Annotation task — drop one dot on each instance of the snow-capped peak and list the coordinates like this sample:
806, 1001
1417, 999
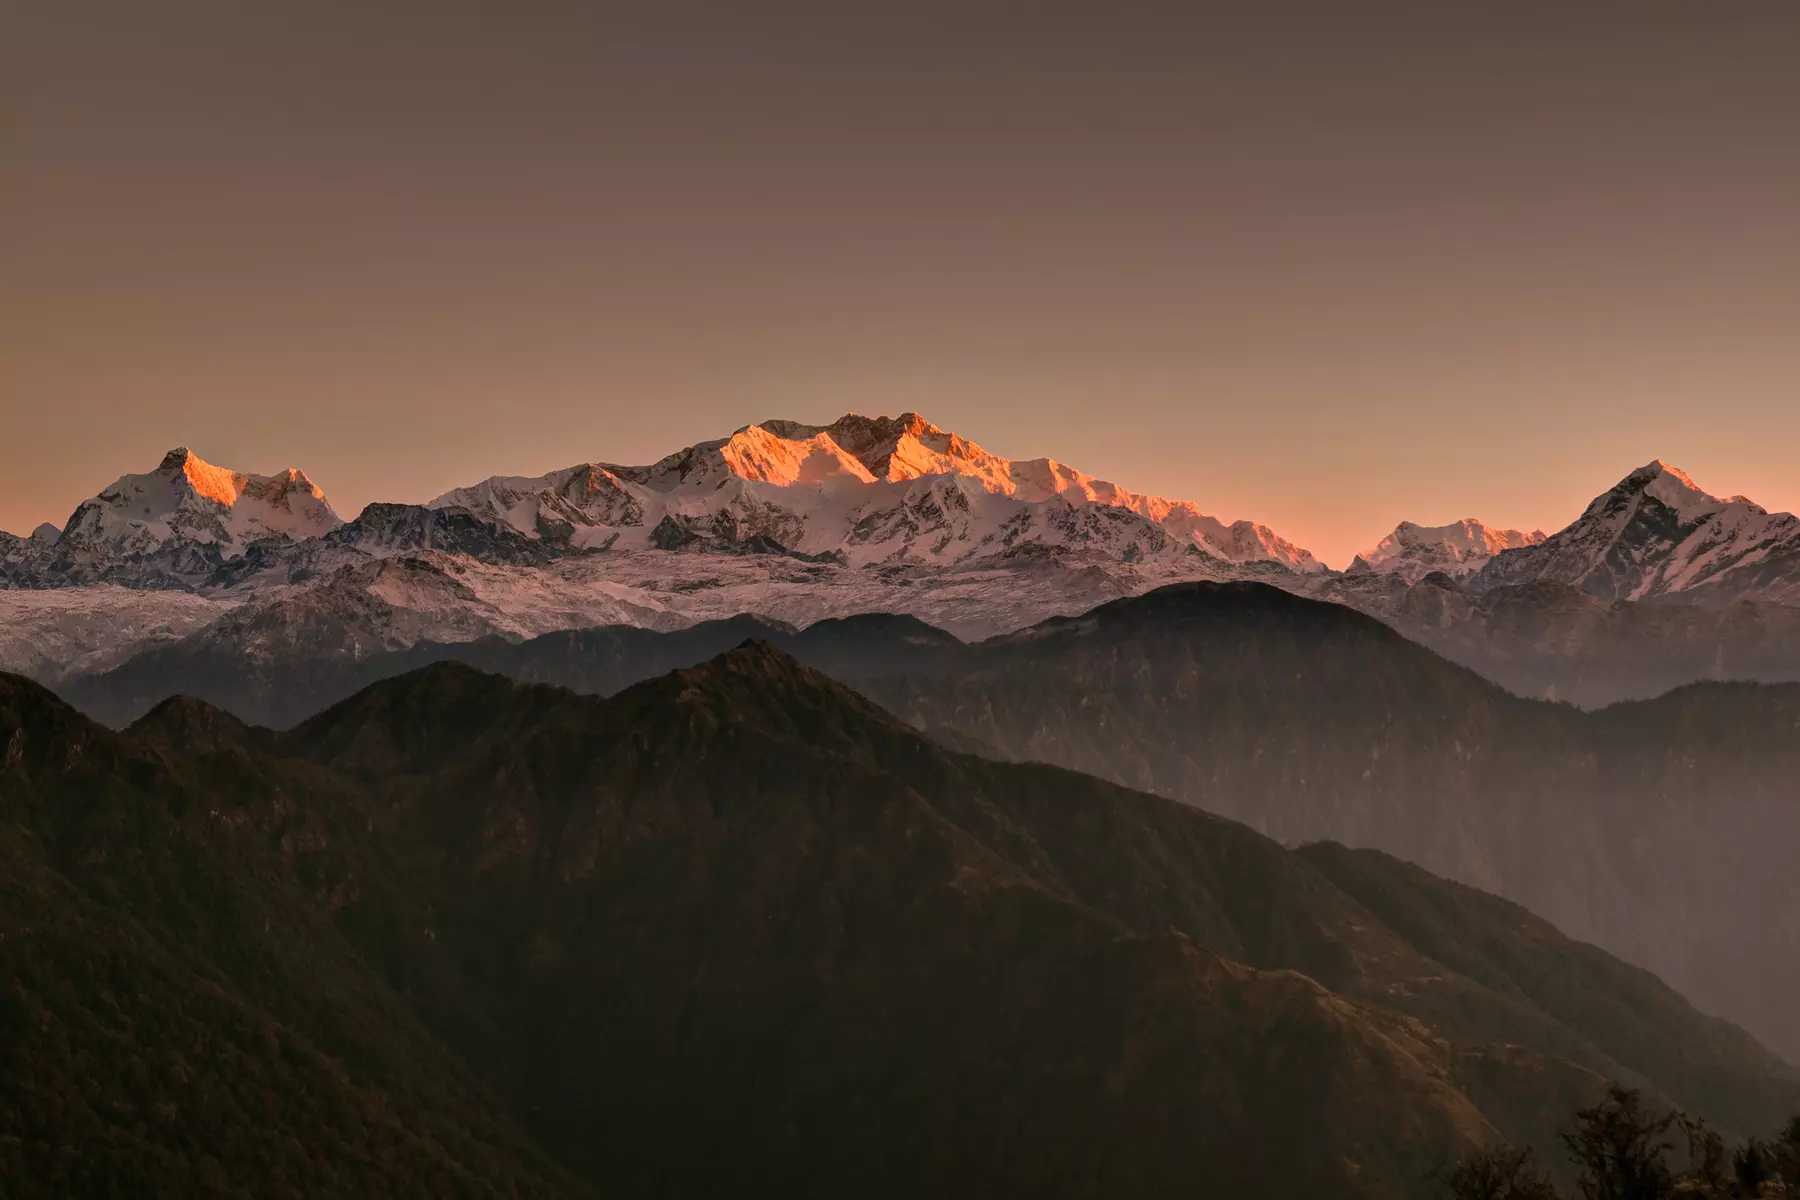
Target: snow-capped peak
868, 489
1657, 532
1458, 548
854, 448
187, 499
1668, 484
46, 533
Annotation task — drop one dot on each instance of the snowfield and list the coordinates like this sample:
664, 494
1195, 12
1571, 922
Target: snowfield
49, 634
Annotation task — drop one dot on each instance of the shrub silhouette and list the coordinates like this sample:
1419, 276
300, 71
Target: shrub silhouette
1623, 1148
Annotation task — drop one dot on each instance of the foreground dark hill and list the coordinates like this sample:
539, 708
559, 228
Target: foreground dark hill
736, 925
1661, 830
179, 1015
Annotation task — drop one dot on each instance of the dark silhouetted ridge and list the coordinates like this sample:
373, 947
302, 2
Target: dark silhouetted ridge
498, 937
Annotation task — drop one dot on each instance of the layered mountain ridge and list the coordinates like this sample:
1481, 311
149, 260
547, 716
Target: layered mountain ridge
467, 888
1657, 830
493, 938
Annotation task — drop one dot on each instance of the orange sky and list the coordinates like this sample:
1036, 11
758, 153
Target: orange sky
1323, 269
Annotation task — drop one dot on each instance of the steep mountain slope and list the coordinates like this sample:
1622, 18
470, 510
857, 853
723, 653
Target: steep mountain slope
1415, 551
742, 908
1309, 721
864, 490
180, 1015
1657, 534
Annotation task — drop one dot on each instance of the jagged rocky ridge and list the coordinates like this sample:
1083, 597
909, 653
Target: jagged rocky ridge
505, 938
1658, 535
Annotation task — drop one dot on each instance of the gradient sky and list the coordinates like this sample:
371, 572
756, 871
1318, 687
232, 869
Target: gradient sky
1325, 265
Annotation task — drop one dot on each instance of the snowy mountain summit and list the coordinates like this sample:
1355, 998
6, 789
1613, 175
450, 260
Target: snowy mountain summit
1415, 551
187, 500
1657, 534
863, 490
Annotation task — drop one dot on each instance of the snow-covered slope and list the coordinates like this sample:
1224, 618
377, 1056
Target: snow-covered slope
176, 527
1415, 551
862, 490
1657, 534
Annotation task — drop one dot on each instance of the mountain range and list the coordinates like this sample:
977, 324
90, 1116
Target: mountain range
800, 523
865, 491
737, 924
882, 816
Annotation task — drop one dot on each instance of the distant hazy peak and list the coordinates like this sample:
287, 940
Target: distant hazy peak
1458, 548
